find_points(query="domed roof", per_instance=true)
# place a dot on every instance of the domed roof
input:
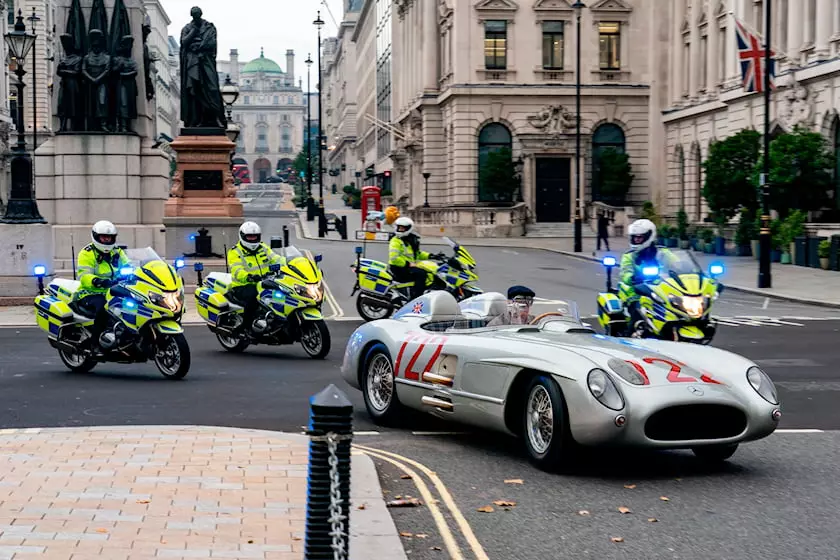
(262, 64)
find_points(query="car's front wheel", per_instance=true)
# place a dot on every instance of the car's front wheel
(715, 453)
(545, 424)
(379, 386)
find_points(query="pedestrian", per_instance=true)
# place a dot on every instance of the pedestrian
(603, 230)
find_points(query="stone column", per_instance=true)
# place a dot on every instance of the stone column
(677, 52)
(713, 45)
(694, 53)
(795, 31)
(431, 38)
(731, 67)
(823, 34)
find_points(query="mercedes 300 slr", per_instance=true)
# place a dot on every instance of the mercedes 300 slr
(555, 382)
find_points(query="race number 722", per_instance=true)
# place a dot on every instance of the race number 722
(413, 348)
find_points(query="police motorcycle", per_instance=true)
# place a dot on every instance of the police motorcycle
(678, 306)
(144, 311)
(380, 295)
(290, 300)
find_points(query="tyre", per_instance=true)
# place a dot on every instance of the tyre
(172, 356)
(77, 363)
(371, 312)
(379, 387)
(315, 338)
(715, 453)
(231, 343)
(545, 425)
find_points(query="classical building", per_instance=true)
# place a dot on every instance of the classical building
(6, 118)
(163, 50)
(706, 99)
(270, 112)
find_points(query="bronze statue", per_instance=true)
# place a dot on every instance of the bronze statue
(201, 99)
(96, 68)
(69, 92)
(125, 69)
(147, 59)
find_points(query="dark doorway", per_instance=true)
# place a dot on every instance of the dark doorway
(553, 180)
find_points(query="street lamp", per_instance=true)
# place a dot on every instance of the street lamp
(310, 211)
(319, 23)
(230, 93)
(426, 176)
(232, 133)
(22, 207)
(578, 6)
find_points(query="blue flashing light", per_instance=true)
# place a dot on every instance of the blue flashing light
(129, 303)
(650, 271)
(179, 263)
(716, 269)
(198, 267)
(358, 250)
(609, 261)
(192, 237)
(126, 271)
(40, 270)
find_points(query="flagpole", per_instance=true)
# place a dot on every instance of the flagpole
(764, 276)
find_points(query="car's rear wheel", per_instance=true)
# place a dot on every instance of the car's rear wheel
(545, 424)
(715, 453)
(379, 386)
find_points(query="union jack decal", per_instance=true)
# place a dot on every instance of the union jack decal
(418, 307)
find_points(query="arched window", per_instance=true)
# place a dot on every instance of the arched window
(607, 138)
(494, 137)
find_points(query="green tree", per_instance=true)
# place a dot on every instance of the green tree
(801, 164)
(730, 167)
(614, 176)
(300, 164)
(498, 176)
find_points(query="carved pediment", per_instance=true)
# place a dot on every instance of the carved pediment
(611, 7)
(496, 6)
(554, 7)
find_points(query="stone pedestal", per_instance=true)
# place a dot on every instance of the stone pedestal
(203, 194)
(83, 178)
(22, 248)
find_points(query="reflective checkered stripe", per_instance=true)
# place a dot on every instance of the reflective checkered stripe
(374, 276)
(282, 303)
(453, 277)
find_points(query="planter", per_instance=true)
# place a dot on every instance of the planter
(755, 246)
(685, 243)
(671, 242)
(720, 246)
(709, 248)
(775, 255)
(824, 263)
(785, 258)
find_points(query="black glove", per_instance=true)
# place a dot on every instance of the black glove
(254, 278)
(103, 282)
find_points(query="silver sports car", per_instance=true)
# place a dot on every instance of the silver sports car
(556, 382)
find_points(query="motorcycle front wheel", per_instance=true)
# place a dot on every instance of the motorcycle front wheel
(315, 339)
(172, 356)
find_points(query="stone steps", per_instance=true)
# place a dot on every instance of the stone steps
(557, 230)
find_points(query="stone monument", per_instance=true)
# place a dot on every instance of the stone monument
(203, 194)
(102, 163)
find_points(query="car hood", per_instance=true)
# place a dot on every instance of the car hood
(663, 362)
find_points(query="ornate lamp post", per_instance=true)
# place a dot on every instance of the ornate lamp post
(426, 176)
(230, 93)
(319, 23)
(22, 207)
(310, 210)
(578, 6)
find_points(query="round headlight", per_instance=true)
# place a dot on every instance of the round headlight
(762, 385)
(603, 388)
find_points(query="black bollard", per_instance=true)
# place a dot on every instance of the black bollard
(322, 223)
(344, 227)
(285, 236)
(330, 415)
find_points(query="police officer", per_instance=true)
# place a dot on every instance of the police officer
(249, 262)
(98, 267)
(403, 252)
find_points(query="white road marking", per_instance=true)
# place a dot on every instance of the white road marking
(766, 303)
(439, 433)
(799, 431)
(368, 433)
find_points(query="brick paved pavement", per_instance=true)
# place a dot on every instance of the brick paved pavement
(167, 492)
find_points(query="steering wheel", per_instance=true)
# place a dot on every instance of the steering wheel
(539, 318)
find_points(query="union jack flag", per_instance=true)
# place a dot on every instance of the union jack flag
(751, 56)
(418, 307)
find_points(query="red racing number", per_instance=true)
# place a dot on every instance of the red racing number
(675, 374)
(423, 342)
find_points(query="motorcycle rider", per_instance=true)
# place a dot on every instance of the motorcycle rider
(249, 262)
(98, 267)
(643, 251)
(520, 300)
(403, 252)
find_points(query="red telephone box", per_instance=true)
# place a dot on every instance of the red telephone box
(371, 201)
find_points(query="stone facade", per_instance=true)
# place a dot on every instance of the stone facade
(270, 112)
(165, 73)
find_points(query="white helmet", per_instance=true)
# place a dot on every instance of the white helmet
(403, 226)
(642, 234)
(250, 235)
(104, 236)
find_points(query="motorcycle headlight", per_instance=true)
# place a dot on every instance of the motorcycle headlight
(694, 306)
(171, 300)
(310, 291)
(762, 385)
(603, 388)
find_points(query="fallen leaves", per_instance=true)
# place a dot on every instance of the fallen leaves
(435, 548)
(101, 530)
(624, 509)
(406, 534)
(629, 486)
(617, 539)
(583, 512)
(665, 498)
(409, 502)
(504, 503)
(421, 536)
(486, 509)
(406, 477)
(514, 481)
(653, 520)
(250, 541)
(361, 507)
(144, 501)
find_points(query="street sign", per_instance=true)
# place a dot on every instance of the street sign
(362, 235)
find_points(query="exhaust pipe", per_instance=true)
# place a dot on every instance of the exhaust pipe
(63, 346)
(375, 300)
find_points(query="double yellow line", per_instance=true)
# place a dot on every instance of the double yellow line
(446, 531)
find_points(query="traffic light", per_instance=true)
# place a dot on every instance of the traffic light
(387, 173)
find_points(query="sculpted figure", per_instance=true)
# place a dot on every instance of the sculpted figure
(96, 68)
(69, 92)
(201, 99)
(126, 71)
